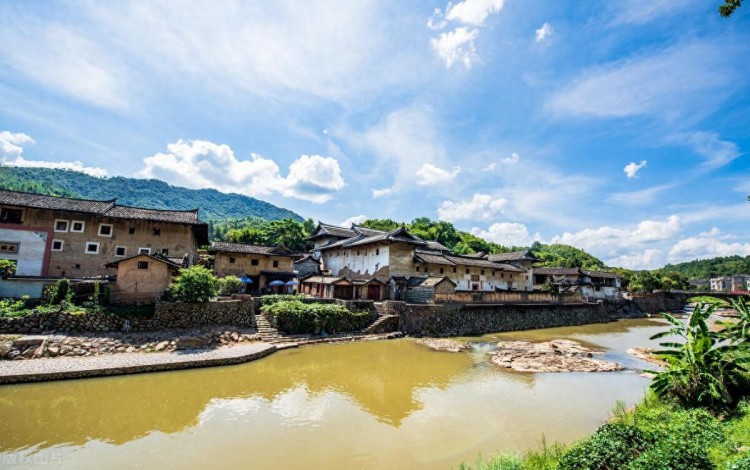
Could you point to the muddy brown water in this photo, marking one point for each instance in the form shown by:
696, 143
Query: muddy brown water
384, 404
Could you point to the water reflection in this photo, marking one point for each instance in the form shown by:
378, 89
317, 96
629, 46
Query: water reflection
365, 405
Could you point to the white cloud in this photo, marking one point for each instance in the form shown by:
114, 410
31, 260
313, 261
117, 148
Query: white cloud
383, 192
507, 234
11, 143
429, 174
473, 12
715, 152
489, 168
357, 219
436, 21
11, 150
687, 78
456, 46
543, 32
714, 232
640, 197
632, 168
702, 247
611, 241
512, 160
481, 206
203, 164
649, 259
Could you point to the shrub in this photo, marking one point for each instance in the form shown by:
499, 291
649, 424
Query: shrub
742, 463
229, 285
612, 446
295, 317
673, 453
7, 268
61, 292
13, 307
196, 284
274, 298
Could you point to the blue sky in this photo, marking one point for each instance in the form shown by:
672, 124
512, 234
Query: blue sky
617, 126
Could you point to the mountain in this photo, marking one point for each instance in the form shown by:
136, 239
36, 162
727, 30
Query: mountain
213, 205
713, 267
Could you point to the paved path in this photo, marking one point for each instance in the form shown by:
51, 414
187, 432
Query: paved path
37, 370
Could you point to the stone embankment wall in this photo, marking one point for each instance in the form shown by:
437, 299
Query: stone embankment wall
167, 315
658, 302
475, 319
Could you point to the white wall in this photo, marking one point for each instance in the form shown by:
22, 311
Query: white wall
366, 263
32, 247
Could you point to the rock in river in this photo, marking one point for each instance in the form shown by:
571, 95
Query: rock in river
553, 356
442, 344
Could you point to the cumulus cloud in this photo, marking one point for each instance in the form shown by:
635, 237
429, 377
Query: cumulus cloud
608, 241
383, 192
632, 168
11, 150
357, 219
429, 174
702, 247
647, 259
489, 168
473, 12
481, 206
543, 32
512, 160
507, 233
456, 46
203, 164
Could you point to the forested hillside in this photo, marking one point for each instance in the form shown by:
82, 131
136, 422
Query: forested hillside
213, 205
707, 268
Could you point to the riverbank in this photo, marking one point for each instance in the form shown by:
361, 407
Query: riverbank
65, 368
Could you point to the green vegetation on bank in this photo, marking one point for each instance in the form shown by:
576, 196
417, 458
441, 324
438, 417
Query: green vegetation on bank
696, 417
297, 317
714, 267
213, 205
709, 300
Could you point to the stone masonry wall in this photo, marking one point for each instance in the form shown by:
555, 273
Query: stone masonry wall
658, 302
167, 315
458, 319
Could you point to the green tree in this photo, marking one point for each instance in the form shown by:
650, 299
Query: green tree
729, 7
196, 284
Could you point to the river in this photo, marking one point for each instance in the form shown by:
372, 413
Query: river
382, 404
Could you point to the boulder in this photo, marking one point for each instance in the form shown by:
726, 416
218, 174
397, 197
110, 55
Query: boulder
32, 341
443, 344
552, 356
190, 342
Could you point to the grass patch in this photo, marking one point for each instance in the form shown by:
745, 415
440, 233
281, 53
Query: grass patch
707, 299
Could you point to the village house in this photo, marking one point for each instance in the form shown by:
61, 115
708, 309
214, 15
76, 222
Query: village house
736, 283
307, 265
359, 254
142, 278
54, 237
263, 269
592, 284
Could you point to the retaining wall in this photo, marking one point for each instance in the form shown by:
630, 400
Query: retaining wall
658, 302
167, 315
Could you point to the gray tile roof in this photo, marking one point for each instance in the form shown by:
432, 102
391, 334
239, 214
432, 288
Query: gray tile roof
483, 263
107, 208
433, 258
217, 247
323, 230
558, 271
430, 281
513, 256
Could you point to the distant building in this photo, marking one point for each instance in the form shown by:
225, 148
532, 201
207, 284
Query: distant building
700, 284
307, 265
142, 278
594, 284
736, 283
264, 269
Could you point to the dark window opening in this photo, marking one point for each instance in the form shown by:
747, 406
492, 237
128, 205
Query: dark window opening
142, 264
441, 270
61, 226
157, 232
467, 270
11, 216
232, 260
105, 230
482, 272
131, 230
165, 251
377, 251
275, 264
454, 270
78, 266
120, 251
253, 262
417, 268
57, 245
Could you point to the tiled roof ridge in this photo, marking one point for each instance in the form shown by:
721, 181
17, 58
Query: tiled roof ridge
113, 201
195, 211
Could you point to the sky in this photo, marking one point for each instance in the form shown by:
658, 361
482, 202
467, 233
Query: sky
620, 127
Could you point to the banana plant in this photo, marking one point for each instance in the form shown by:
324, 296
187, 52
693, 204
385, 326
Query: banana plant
738, 332
701, 368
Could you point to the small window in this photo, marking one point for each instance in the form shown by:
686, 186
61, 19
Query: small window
144, 251
57, 245
254, 262
131, 230
165, 251
61, 225
77, 226
454, 270
142, 264
493, 273
11, 216
105, 230
482, 272
417, 269
275, 264
121, 251
157, 232
232, 260
77, 266
502, 275
441, 270
92, 248
377, 251
467, 270
357, 252
10, 248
